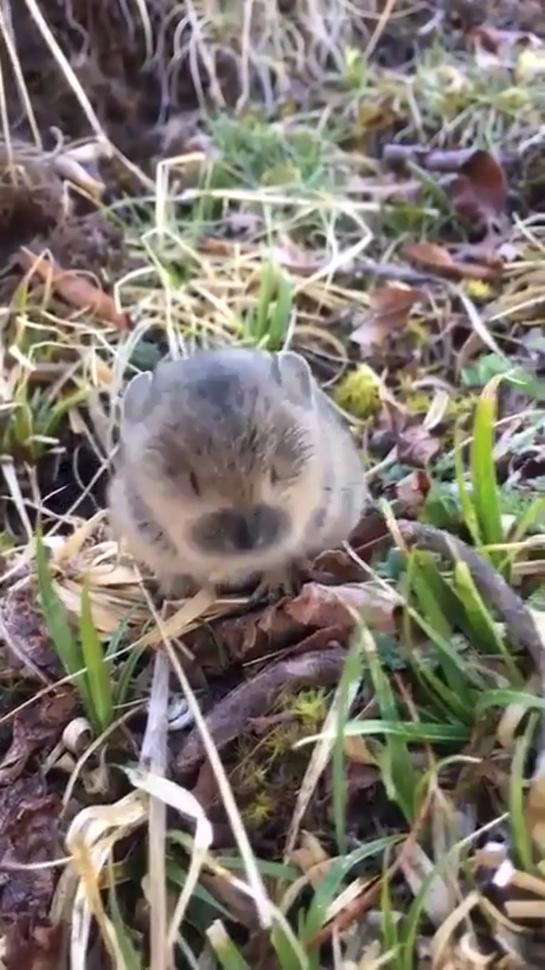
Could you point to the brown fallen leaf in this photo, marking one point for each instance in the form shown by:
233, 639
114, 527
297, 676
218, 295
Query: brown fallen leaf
479, 194
311, 858
412, 491
437, 259
248, 636
341, 606
390, 308
74, 289
416, 446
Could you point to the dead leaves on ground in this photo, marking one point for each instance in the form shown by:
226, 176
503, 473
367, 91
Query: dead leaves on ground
479, 193
36, 728
389, 312
437, 259
73, 288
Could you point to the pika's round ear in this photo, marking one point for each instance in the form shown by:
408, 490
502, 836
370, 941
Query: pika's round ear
294, 376
136, 397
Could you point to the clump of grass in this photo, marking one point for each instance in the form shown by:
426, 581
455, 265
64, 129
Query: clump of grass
268, 324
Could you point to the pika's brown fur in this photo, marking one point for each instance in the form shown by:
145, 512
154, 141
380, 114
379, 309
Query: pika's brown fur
233, 463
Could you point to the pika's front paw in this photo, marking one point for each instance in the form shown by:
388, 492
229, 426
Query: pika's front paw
283, 582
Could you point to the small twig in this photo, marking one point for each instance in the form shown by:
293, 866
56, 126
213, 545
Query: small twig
392, 271
228, 719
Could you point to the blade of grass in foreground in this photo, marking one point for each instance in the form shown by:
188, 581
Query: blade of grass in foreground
517, 816
99, 680
128, 951
486, 496
348, 687
67, 647
468, 511
328, 888
484, 629
395, 760
228, 954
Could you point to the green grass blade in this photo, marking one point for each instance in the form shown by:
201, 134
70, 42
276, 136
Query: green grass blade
484, 629
281, 315
468, 510
448, 653
431, 591
338, 870
400, 776
267, 289
177, 875
409, 731
503, 698
131, 958
486, 495
517, 816
283, 945
98, 674
348, 687
228, 954
66, 645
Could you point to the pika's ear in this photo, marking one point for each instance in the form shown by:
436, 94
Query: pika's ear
294, 376
137, 397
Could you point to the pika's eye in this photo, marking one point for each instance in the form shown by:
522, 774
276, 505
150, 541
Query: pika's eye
194, 482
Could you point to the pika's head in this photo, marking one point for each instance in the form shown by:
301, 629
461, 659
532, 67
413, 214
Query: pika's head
224, 448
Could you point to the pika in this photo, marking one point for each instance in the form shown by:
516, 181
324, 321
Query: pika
233, 464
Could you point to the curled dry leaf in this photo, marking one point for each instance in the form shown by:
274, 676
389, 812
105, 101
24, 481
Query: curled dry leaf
369, 537
416, 446
228, 719
311, 858
479, 194
343, 606
412, 491
248, 636
390, 308
76, 290
437, 259
318, 616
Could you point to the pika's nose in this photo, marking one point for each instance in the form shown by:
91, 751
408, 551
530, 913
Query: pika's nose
229, 530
